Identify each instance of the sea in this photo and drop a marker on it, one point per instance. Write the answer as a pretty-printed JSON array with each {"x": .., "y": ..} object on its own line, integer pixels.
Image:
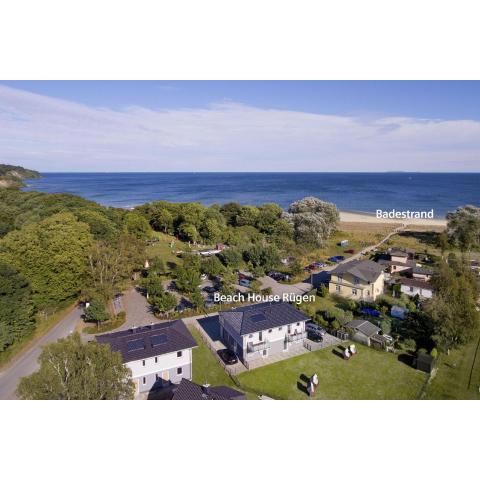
[{"x": 356, "y": 192}]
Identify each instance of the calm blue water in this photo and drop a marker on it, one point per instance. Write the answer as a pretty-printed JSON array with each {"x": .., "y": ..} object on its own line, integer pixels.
[{"x": 349, "y": 191}]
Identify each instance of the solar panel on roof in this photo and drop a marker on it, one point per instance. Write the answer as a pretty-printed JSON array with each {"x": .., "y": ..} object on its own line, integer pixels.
[
  {"x": 258, "y": 317},
  {"x": 133, "y": 345},
  {"x": 158, "y": 340}
]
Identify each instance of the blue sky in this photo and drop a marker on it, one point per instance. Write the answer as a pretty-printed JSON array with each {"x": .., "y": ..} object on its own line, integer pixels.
[
  {"x": 430, "y": 99},
  {"x": 241, "y": 126}
]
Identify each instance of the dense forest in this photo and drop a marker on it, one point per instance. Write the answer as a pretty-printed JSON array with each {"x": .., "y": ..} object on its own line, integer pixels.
[{"x": 58, "y": 247}]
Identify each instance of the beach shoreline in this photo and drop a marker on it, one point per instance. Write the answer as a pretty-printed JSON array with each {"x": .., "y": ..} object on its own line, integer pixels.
[{"x": 365, "y": 217}]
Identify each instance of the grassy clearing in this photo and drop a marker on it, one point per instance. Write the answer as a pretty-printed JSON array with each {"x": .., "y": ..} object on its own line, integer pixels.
[
  {"x": 164, "y": 249},
  {"x": 369, "y": 375},
  {"x": 43, "y": 325},
  {"x": 458, "y": 375}
]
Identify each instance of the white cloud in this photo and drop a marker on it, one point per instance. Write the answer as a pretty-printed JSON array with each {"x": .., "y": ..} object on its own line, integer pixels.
[{"x": 57, "y": 135}]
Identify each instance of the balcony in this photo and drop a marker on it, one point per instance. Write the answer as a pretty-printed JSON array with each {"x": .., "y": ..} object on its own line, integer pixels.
[
  {"x": 255, "y": 347},
  {"x": 295, "y": 337}
]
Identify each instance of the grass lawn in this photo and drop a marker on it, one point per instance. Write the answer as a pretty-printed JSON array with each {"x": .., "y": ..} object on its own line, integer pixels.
[
  {"x": 368, "y": 375},
  {"x": 163, "y": 249},
  {"x": 455, "y": 372},
  {"x": 206, "y": 368}
]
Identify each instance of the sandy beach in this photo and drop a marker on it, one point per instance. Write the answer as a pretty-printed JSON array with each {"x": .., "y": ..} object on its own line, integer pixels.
[{"x": 356, "y": 217}]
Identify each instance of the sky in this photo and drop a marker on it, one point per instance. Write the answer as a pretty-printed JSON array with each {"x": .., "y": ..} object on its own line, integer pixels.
[{"x": 240, "y": 126}]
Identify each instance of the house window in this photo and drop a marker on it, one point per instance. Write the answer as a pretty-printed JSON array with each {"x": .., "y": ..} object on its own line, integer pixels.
[
  {"x": 411, "y": 289},
  {"x": 340, "y": 277},
  {"x": 298, "y": 324},
  {"x": 280, "y": 329},
  {"x": 251, "y": 335},
  {"x": 179, "y": 370},
  {"x": 156, "y": 359},
  {"x": 354, "y": 291},
  {"x": 143, "y": 362},
  {"x": 270, "y": 331},
  {"x": 179, "y": 354},
  {"x": 356, "y": 281},
  {"x": 337, "y": 288},
  {"x": 144, "y": 380}
]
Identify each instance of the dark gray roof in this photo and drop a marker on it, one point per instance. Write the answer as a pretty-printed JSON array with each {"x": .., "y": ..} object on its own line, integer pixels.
[
  {"x": 253, "y": 318},
  {"x": 363, "y": 326},
  {"x": 422, "y": 270},
  {"x": 149, "y": 341},
  {"x": 364, "y": 269},
  {"x": 188, "y": 390},
  {"x": 407, "y": 264},
  {"x": 413, "y": 282}
]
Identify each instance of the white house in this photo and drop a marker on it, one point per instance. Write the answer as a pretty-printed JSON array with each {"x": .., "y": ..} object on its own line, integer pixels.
[
  {"x": 413, "y": 287},
  {"x": 257, "y": 331},
  {"x": 158, "y": 354}
]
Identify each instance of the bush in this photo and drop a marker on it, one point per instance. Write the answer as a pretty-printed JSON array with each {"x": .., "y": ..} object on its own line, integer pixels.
[
  {"x": 322, "y": 291},
  {"x": 434, "y": 352},
  {"x": 409, "y": 344},
  {"x": 266, "y": 291}
]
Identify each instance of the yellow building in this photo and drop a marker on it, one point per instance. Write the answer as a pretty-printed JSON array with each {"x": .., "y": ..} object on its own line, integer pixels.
[{"x": 357, "y": 279}]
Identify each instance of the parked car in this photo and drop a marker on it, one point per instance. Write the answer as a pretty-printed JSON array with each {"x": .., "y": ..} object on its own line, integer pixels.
[
  {"x": 315, "y": 337},
  {"x": 203, "y": 276},
  {"x": 351, "y": 251},
  {"x": 315, "y": 329},
  {"x": 209, "y": 289},
  {"x": 337, "y": 258},
  {"x": 228, "y": 357},
  {"x": 320, "y": 264},
  {"x": 244, "y": 282},
  {"x": 278, "y": 276}
]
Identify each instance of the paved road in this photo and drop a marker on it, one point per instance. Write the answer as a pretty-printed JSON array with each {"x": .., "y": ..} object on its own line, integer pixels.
[{"x": 27, "y": 362}]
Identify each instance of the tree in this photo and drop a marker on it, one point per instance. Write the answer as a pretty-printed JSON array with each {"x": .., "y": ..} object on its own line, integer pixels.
[
  {"x": 189, "y": 232},
  {"x": 263, "y": 255},
  {"x": 267, "y": 217},
  {"x": 212, "y": 266},
  {"x": 228, "y": 280},
  {"x": 136, "y": 225},
  {"x": 442, "y": 242},
  {"x": 452, "y": 310},
  {"x": 162, "y": 220},
  {"x": 110, "y": 265},
  {"x": 196, "y": 299},
  {"x": 211, "y": 231},
  {"x": 16, "y": 307},
  {"x": 231, "y": 211},
  {"x": 72, "y": 370},
  {"x": 163, "y": 302},
  {"x": 51, "y": 255},
  {"x": 232, "y": 257},
  {"x": 96, "y": 311},
  {"x": 248, "y": 216},
  {"x": 153, "y": 285},
  {"x": 187, "y": 280},
  {"x": 313, "y": 220},
  {"x": 463, "y": 227}
]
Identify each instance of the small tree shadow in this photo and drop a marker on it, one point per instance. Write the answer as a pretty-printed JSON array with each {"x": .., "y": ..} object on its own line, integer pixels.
[
  {"x": 406, "y": 359},
  {"x": 302, "y": 388},
  {"x": 338, "y": 351}
]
